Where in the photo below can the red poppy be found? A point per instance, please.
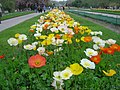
(95, 59)
(36, 61)
(2, 56)
(108, 50)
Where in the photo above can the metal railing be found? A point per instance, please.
(113, 19)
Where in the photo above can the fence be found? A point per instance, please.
(113, 20)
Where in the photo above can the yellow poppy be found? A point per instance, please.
(76, 69)
(77, 40)
(17, 35)
(111, 72)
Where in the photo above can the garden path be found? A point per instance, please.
(14, 21)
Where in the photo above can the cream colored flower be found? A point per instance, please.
(96, 33)
(37, 34)
(41, 50)
(54, 29)
(90, 52)
(57, 50)
(66, 74)
(57, 76)
(96, 47)
(39, 29)
(57, 42)
(63, 28)
(99, 41)
(22, 37)
(110, 41)
(12, 42)
(87, 63)
(28, 47)
(57, 84)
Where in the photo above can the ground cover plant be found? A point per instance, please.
(16, 14)
(57, 51)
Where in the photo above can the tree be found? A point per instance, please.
(8, 5)
(76, 3)
(95, 3)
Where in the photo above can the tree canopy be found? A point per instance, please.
(94, 3)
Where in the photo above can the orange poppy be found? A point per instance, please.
(36, 61)
(115, 47)
(45, 26)
(95, 59)
(87, 38)
(108, 50)
(119, 49)
(49, 52)
(103, 49)
(31, 30)
(76, 30)
(57, 36)
(69, 35)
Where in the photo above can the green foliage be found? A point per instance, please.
(95, 3)
(8, 5)
(17, 75)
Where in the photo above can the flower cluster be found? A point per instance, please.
(19, 38)
(55, 30)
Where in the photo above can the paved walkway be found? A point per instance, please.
(14, 21)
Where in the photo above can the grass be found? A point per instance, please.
(15, 14)
(16, 74)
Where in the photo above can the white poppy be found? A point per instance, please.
(12, 42)
(87, 63)
(90, 52)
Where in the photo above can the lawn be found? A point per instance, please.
(15, 14)
(16, 74)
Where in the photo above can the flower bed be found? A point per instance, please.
(60, 52)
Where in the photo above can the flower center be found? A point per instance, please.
(37, 62)
(66, 75)
(87, 64)
(90, 53)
